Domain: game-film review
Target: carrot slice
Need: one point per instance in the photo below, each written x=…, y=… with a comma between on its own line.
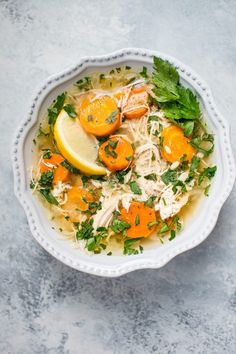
x=100, y=117
x=116, y=153
x=138, y=97
x=175, y=144
x=61, y=174
x=78, y=200
x=139, y=217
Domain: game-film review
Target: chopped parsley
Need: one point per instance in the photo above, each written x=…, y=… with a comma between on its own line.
x=70, y=167
x=151, y=177
x=112, y=117
x=55, y=109
x=170, y=176
x=128, y=246
x=137, y=220
x=84, y=84
x=144, y=72
x=46, y=179
x=149, y=202
x=135, y=187
x=48, y=196
x=208, y=172
x=70, y=110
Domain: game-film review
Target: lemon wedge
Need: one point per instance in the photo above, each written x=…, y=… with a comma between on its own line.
x=77, y=146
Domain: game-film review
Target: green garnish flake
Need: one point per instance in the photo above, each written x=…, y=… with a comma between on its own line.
x=70, y=110
x=137, y=220
x=208, y=172
x=48, y=196
x=129, y=158
x=128, y=246
x=151, y=177
x=153, y=119
x=46, y=179
x=170, y=176
x=84, y=84
x=112, y=117
x=149, y=202
x=135, y=187
x=70, y=167
x=56, y=108
x=113, y=144
x=119, y=226
x=144, y=72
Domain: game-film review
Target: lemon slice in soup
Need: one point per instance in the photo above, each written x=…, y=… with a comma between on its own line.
x=77, y=146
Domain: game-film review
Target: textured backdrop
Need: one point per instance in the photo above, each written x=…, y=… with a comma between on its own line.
x=189, y=306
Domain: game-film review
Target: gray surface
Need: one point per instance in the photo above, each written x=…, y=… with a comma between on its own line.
x=189, y=306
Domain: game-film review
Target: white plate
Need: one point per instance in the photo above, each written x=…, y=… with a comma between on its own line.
x=196, y=231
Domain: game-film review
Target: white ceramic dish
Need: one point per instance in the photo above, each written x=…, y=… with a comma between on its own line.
x=200, y=226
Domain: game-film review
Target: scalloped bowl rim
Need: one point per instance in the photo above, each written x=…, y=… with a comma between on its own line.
x=96, y=265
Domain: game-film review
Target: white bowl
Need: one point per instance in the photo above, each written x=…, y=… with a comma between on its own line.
x=199, y=227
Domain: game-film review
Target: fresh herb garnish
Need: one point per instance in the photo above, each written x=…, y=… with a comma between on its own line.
x=48, y=196
x=208, y=172
x=150, y=201
x=128, y=249
x=204, y=144
x=151, y=177
x=129, y=158
x=47, y=154
x=70, y=168
x=170, y=176
x=153, y=119
x=112, y=117
x=84, y=179
x=135, y=187
x=137, y=220
x=118, y=225
x=120, y=175
x=144, y=73
x=172, y=235
x=70, y=110
x=112, y=143
x=110, y=152
x=177, y=102
x=153, y=223
x=84, y=84
x=130, y=80
x=55, y=109
x=46, y=179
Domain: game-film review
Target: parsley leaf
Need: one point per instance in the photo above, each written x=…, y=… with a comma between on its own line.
x=84, y=84
x=48, y=196
x=119, y=226
x=165, y=79
x=137, y=220
x=70, y=168
x=150, y=201
x=151, y=177
x=204, y=144
x=112, y=117
x=128, y=249
x=55, y=109
x=144, y=72
x=120, y=175
x=70, y=110
x=170, y=176
x=46, y=179
x=208, y=172
x=135, y=187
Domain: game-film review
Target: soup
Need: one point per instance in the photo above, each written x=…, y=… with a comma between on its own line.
x=121, y=159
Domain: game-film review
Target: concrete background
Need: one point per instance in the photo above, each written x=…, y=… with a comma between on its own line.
x=189, y=306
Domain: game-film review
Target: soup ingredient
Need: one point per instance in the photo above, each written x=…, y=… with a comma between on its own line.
x=78, y=147
x=176, y=145
x=61, y=174
x=55, y=109
x=100, y=117
x=137, y=103
x=177, y=102
x=116, y=153
x=140, y=218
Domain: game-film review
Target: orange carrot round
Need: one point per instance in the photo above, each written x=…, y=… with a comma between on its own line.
x=140, y=218
x=175, y=144
x=116, y=153
x=61, y=174
x=100, y=117
x=78, y=200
